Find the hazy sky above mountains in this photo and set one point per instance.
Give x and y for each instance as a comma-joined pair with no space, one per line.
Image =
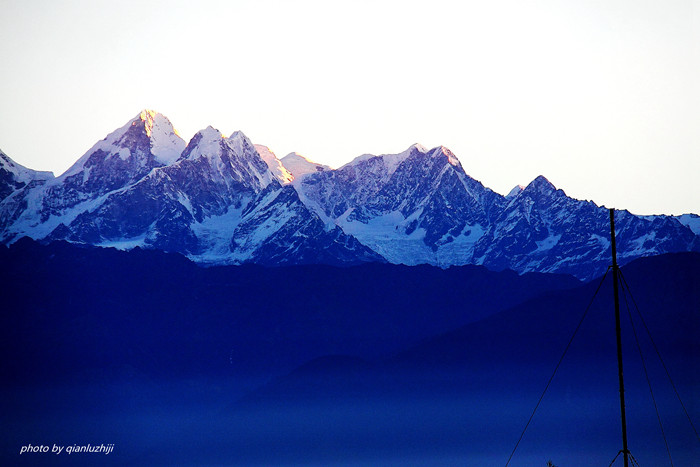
601,97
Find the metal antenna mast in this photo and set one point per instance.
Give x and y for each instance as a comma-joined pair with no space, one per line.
618,331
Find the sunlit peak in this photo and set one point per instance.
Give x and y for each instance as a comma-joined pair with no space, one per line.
148,117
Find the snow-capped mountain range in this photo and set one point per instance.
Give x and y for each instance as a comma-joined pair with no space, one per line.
224,200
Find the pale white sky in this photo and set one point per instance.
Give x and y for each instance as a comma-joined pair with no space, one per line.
601,97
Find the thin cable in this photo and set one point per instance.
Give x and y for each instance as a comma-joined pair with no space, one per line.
634,460
557,367
668,375
618,455
646,373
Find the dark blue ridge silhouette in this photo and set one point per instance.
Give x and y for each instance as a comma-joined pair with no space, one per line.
316,365
505,359
511,346
71,309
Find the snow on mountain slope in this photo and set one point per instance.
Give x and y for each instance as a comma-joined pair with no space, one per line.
515,191
414,207
166,143
215,200
19,173
299,166
128,153
232,160
389,161
542,229
216,177
14,176
275,165
125,156
16,181
692,221
224,200
282,230
419,206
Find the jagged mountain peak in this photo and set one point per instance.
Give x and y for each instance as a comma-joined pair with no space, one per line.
239,135
435,153
149,117
14,177
21,173
296,156
392,161
148,140
7,163
275,165
221,198
242,143
540,185
517,189
211,132
123,158
152,118
211,135
299,165
233,158
206,135
206,142
692,221
166,143
451,158
415,151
